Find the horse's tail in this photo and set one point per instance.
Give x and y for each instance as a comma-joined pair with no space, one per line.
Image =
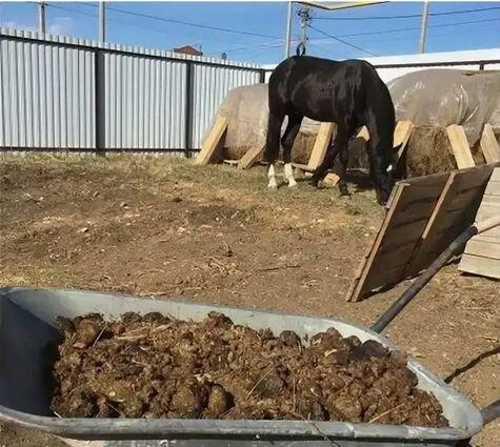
301,49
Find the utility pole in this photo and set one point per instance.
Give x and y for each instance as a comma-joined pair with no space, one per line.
288,40
102,22
42,17
305,20
423,28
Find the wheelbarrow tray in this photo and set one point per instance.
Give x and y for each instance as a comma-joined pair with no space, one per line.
28,337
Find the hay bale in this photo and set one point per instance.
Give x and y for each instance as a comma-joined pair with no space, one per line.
436,98
247,111
433,99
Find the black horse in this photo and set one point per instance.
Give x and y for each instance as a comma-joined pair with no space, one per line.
349,93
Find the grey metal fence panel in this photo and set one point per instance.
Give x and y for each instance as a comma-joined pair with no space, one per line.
210,87
46,99
50,96
144,104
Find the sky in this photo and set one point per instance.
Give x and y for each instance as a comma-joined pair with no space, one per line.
259,27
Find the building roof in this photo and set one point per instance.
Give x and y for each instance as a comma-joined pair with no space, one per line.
188,49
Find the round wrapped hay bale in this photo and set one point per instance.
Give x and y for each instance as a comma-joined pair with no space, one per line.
246,109
436,98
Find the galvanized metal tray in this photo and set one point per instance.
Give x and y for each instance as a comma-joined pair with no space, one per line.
28,338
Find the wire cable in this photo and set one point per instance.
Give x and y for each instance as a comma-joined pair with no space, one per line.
412,16
342,41
181,22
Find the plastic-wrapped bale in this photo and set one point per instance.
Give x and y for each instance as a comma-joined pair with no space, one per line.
246,109
436,98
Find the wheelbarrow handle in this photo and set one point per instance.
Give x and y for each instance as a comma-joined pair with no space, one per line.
491,412
428,274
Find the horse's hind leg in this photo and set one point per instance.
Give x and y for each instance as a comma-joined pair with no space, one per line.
344,159
273,146
292,129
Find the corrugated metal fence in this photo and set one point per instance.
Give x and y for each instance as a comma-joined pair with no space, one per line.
62,93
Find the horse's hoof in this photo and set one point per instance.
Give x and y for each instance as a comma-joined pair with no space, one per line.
314,182
292,185
272,187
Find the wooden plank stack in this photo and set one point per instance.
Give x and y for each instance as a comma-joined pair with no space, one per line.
482,252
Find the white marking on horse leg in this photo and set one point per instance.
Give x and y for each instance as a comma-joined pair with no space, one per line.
289,175
271,174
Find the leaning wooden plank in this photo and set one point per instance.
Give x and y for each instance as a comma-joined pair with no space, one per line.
460,146
212,143
402,135
250,157
321,144
454,211
411,205
357,286
489,145
363,133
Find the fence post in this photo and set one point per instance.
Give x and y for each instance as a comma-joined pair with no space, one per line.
100,103
262,76
189,110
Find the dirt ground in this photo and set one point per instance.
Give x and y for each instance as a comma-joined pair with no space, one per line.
164,228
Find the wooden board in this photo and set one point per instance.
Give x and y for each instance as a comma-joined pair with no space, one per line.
363,133
213,142
411,205
425,214
454,212
460,146
482,252
321,144
402,135
480,265
250,157
489,145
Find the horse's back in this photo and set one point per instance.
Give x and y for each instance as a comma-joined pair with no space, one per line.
326,90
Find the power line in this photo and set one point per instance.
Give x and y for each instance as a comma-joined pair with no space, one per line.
181,22
415,28
65,8
412,16
342,41
94,16
370,33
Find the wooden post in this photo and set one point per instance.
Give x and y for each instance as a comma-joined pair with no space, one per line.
489,145
460,146
212,142
321,144
250,157
402,135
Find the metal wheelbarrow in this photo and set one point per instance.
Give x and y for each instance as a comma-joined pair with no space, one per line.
28,335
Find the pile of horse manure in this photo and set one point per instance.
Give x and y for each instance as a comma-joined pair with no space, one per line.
153,366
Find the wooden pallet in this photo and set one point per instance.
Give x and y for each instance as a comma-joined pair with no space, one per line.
425,215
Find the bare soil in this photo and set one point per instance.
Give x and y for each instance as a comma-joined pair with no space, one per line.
156,366
164,228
